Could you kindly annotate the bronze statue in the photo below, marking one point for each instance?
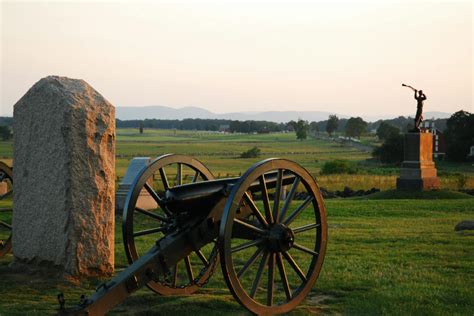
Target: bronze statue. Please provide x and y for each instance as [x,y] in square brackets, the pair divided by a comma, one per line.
[419,97]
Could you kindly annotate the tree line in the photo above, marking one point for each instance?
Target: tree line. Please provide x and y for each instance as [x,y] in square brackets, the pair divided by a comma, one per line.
[352,127]
[206,125]
[459,130]
[458,133]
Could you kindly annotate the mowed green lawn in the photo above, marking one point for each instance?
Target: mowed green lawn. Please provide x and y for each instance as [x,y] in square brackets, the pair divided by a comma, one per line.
[220,152]
[383,257]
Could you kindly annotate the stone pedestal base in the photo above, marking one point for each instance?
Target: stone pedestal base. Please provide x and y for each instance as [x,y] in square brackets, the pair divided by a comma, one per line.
[418,171]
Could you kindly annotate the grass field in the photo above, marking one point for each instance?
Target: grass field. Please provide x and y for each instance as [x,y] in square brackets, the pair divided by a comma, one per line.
[220,152]
[387,254]
[384,257]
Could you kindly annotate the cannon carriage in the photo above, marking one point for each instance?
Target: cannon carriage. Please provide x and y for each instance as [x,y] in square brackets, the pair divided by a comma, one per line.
[267,229]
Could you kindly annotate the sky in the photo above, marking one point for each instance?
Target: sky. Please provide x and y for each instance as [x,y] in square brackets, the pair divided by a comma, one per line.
[346,57]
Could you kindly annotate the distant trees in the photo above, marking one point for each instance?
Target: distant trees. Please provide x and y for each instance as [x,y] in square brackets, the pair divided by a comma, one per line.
[6,121]
[332,124]
[355,126]
[459,135]
[255,126]
[5,133]
[386,130]
[140,128]
[391,150]
[291,125]
[206,125]
[405,124]
[301,129]
[314,127]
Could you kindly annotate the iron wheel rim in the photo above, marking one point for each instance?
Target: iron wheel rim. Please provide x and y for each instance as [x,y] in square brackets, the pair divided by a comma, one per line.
[162,287]
[225,237]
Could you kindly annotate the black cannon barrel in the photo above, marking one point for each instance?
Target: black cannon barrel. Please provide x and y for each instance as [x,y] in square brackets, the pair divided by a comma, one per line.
[189,195]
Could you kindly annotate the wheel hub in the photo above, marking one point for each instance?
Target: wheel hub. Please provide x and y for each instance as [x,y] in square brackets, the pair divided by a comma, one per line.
[280,238]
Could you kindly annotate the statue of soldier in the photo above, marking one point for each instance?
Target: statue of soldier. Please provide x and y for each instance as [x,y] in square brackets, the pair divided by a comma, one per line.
[419,97]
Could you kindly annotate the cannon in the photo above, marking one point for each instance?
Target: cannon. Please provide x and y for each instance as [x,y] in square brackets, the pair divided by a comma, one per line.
[6,208]
[267,229]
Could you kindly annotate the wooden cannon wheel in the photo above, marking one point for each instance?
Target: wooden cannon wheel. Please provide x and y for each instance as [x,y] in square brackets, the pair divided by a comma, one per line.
[284,239]
[6,209]
[142,227]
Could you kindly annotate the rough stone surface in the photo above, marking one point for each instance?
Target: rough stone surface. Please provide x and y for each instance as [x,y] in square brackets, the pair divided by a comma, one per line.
[64,153]
[418,171]
[464,225]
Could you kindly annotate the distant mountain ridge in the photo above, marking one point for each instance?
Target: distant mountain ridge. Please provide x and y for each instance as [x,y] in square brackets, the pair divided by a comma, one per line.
[194,112]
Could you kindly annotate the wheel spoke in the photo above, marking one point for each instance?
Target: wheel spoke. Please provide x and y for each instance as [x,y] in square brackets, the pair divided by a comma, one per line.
[255,210]
[249,262]
[289,198]
[8,226]
[246,245]
[305,228]
[196,176]
[303,248]
[179,174]
[266,201]
[152,215]
[189,269]
[294,265]
[297,212]
[157,199]
[262,265]
[153,194]
[175,275]
[271,279]
[164,179]
[277,197]
[202,257]
[244,227]
[148,231]
[284,277]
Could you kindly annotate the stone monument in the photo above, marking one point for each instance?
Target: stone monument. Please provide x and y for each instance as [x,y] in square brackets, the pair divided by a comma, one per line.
[145,200]
[418,171]
[64,153]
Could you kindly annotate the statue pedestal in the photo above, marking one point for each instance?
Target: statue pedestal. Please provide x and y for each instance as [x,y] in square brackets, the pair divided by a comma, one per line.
[418,171]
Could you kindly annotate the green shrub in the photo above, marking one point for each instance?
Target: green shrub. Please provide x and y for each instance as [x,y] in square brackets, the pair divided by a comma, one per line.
[459,135]
[338,166]
[251,153]
[5,133]
[461,181]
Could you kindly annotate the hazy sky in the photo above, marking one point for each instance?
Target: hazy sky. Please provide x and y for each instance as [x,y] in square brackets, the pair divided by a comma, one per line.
[345,57]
